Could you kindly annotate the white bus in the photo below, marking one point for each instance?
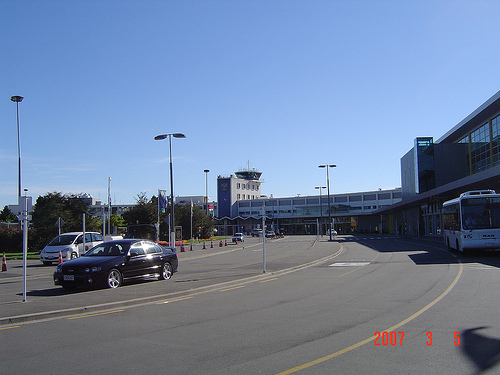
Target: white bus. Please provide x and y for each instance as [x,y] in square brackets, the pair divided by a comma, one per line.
[472,221]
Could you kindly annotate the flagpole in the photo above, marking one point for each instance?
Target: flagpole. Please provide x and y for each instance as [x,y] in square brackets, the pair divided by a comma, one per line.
[191,248]
[109,205]
[158,219]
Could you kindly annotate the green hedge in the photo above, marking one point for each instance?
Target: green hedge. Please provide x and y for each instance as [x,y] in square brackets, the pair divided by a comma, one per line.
[11,240]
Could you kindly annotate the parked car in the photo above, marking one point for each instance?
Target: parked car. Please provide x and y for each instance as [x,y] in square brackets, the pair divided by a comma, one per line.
[113,262]
[70,245]
[238,237]
[256,232]
[270,234]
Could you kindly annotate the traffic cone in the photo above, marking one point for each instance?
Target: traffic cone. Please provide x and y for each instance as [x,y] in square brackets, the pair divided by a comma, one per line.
[225,242]
[4,263]
[204,247]
[220,243]
[182,248]
[60,257]
[236,241]
[211,244]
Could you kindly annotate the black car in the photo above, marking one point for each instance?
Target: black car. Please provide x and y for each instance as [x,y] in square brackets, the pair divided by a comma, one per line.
[111,263]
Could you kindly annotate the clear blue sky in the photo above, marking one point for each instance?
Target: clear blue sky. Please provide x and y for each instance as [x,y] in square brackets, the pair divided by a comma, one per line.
[284,85]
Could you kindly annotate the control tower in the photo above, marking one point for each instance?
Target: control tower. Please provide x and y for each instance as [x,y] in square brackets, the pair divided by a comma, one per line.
[248,174]
[243,185]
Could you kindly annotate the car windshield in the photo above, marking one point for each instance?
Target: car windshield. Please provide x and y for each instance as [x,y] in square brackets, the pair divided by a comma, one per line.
[63,239]
[108,249]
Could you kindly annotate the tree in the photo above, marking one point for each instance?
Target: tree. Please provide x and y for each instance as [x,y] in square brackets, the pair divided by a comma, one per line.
[6,216]
[51,206]
[117,220]
[140,219]
[200,220]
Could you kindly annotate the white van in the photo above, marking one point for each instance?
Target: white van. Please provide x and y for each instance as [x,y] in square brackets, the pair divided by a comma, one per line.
[70,245]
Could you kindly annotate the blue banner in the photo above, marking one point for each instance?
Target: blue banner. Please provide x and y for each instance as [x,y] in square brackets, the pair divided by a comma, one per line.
[162,201]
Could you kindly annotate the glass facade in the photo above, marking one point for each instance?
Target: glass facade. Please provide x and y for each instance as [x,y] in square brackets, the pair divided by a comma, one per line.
[484,146]
[424,162]
[495,141]
[480,148]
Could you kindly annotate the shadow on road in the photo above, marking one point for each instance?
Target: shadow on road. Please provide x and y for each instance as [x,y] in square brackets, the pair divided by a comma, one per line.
[480,349]
[426,250]
[45,292]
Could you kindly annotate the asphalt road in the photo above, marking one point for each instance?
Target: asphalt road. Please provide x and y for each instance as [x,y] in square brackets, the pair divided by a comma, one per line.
[375,305]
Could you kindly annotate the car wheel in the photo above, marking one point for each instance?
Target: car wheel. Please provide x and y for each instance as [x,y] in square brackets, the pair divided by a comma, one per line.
[114,279]
[166,271]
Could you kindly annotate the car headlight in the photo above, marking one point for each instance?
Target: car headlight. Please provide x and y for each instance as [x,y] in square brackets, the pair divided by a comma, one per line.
[93,269]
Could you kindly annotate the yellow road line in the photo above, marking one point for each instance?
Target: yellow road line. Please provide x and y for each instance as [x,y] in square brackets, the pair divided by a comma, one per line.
[97,314]
[1,329]
[371,338]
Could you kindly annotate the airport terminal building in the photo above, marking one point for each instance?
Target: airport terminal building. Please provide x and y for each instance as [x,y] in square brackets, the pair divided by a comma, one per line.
[241,207]
[466,158]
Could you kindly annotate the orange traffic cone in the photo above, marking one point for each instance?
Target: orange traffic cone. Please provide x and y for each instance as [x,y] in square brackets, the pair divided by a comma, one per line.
[60,257]
[211,244]
[220,243]
[182,248]
[236,240]
[225,242]
[204,247]
[4,263]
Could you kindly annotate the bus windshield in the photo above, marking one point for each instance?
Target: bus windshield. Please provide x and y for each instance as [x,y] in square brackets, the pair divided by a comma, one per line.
[480,213]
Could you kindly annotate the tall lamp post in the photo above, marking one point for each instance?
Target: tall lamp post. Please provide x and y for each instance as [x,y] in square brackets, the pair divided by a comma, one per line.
[321,208]
[18,99]
[206,189]
[328,166]
[23,207]
[172,221]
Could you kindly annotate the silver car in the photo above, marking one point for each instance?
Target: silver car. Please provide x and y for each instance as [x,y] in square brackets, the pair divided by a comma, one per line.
[70,245]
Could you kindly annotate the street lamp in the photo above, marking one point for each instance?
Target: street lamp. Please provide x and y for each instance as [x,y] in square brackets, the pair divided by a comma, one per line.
[328,166]
[18,99]
[321,208]
[172,222]
[206,189]
[22,209]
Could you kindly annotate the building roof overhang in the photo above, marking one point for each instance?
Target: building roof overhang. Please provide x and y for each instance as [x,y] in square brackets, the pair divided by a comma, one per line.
[484,180]
[487,110]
